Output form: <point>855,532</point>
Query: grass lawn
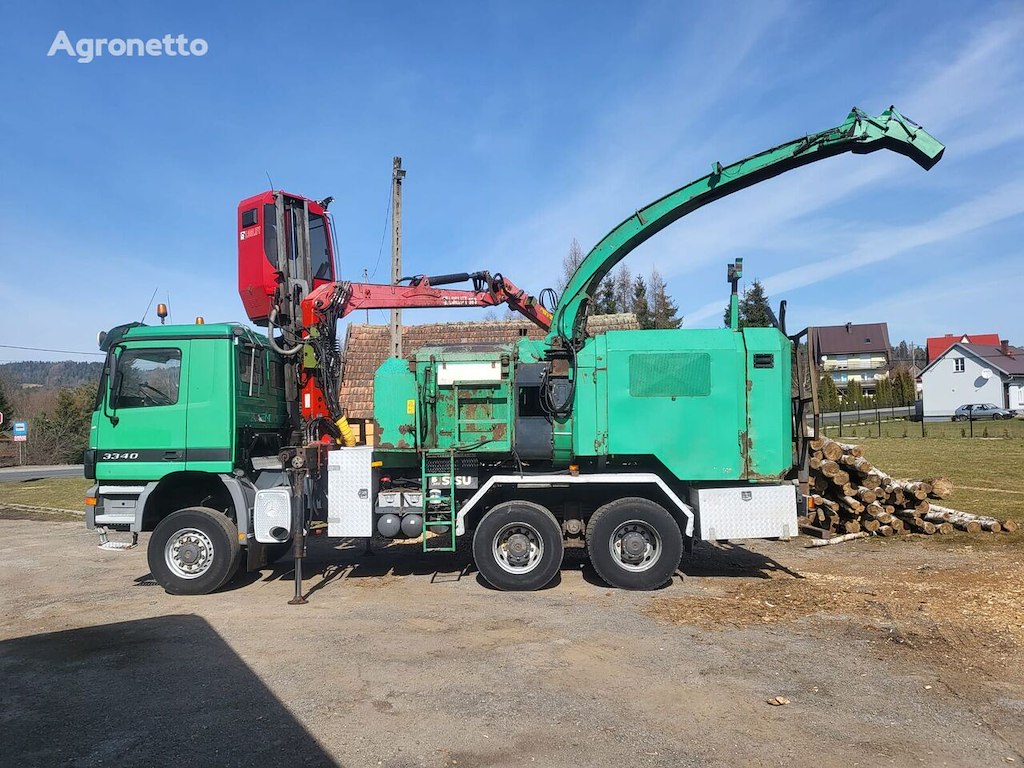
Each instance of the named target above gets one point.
<point>55,492</point>
<point>986,474</point>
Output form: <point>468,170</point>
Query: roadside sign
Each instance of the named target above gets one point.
<point>19,430</point>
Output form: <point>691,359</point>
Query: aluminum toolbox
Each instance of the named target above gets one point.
<point>745,512</point>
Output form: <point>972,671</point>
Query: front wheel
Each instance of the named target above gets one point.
<point>961,418</point>
<point>518,546</point>
<point>194,551</point>
<point>634,543</point>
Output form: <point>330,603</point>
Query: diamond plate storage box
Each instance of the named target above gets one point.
<point>757,512</point>
<point>349,492</point>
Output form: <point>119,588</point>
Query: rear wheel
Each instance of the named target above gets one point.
<point>194,551</point>
<point>634,543</point>
<point>518,546</point>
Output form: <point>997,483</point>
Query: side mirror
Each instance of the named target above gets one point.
<point>115,377</point>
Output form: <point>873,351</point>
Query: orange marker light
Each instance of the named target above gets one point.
<point>90,501</point>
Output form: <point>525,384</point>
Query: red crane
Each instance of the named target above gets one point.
<point>287,280</point>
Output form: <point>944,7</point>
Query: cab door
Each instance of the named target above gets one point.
<point>141,430</point>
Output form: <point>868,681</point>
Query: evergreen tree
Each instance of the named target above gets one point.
<point>665,313</point>
<point>902,353</point>
<point>854,396</point>
<point>63,436</point>
<point>6,407</point>
<point>604,301</point>
<point>828,395</point>
<point>884,393</point>
<point>904,389</point>
<point>640,306</point>
<point>755,311</point>
<point>48,373</point>
<point>909,354</point>
<point>570,262</point>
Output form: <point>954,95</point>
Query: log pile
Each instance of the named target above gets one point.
<point>848,495</point>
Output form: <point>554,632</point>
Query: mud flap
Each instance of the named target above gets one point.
<point>255,555</point>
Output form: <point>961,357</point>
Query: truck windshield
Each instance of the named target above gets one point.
<point>319,252</point>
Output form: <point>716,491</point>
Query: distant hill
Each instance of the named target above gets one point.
<point>48,374</point>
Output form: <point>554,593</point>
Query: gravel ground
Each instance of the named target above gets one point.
<point>401,659</point>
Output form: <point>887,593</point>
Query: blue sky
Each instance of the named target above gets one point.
<point>522,125</point>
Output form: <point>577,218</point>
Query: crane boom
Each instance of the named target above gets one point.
<point>860,133</point>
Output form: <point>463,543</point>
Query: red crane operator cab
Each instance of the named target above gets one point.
<point>284,244</point>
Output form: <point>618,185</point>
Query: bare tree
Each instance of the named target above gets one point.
<point>623,289</point>
<point>570,262</point>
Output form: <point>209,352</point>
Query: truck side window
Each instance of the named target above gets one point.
<point>147,377</point>
<point>270,233</point>
<point>319,256</point>
<point>276,374</point>
<point>250,366</point>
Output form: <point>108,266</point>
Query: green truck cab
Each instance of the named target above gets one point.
<point>187,417</point>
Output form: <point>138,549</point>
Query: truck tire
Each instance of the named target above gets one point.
<point>194,551</point>
<point>634,543</point>
<point>518,546</point>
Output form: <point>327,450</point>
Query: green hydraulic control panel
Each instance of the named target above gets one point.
<point>464,398</point>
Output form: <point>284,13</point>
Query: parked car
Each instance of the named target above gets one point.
<point>976,411</point>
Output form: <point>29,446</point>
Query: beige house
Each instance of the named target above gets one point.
<point>854,352</point>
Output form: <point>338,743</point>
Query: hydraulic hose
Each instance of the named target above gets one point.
<point>271,327</point>
<point>348,437</point>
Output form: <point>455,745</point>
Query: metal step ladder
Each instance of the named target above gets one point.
<point>107,544</point>
<point>438,519</point>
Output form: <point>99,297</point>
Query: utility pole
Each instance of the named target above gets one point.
<point>397,175</point>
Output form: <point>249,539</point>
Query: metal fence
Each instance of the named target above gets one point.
<point>908,422</point>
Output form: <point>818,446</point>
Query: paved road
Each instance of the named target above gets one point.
<point>20,474</point>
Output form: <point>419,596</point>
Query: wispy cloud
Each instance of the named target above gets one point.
<point>881,244</point>
<point>625,156</point>
<point>970,96</point>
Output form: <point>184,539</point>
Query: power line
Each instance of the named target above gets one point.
<point>384,234</point>
<point>43,349</point>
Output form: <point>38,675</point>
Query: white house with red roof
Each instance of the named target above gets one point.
<point>966,373</point>
<point>936,345</point>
